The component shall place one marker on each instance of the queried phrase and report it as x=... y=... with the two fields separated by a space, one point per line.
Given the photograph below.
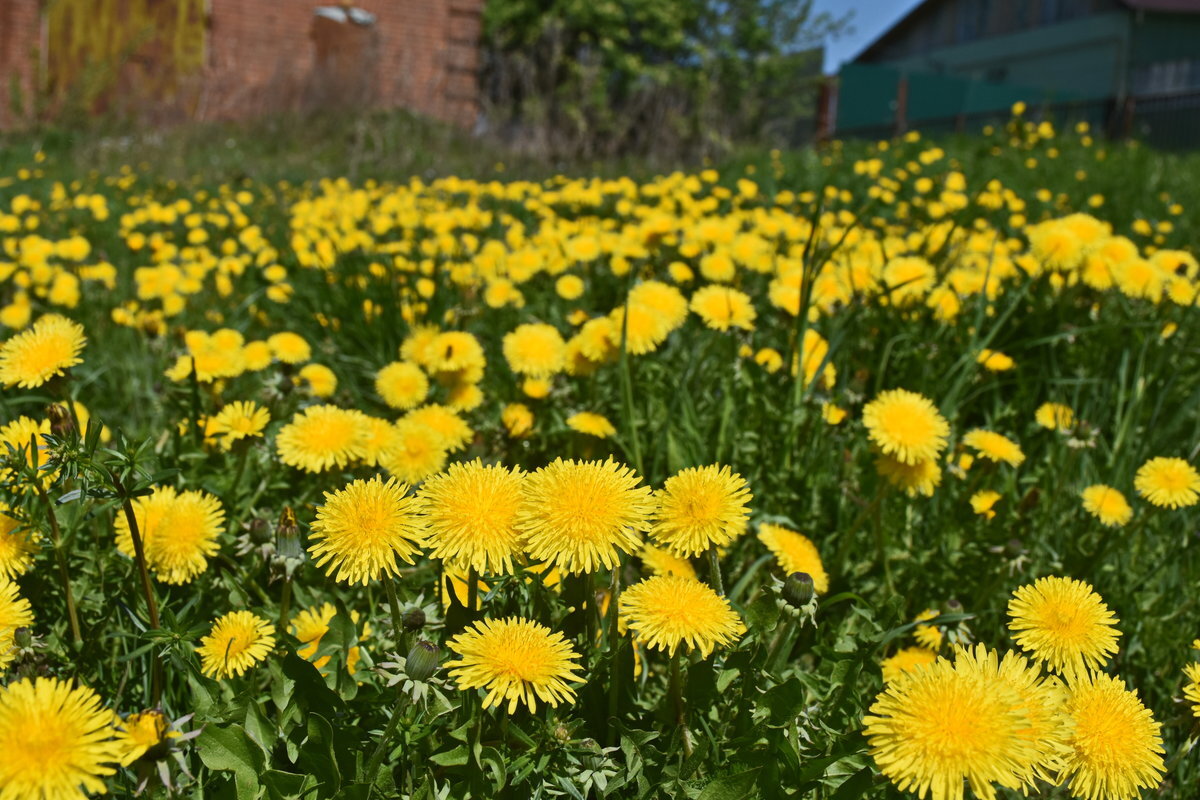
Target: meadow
x=863 y=471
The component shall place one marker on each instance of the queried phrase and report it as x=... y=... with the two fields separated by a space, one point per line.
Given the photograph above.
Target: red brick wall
x=20 y=39
x=260 y=58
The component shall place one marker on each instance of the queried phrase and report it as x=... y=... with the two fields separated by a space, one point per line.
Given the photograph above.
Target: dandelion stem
x=472 y=592
x=394 y=606
x=139 y=551
x=61 y=559
x=285 y=604
x=390 y=731
x=676 y=692
x=714 y=568
x=614 y=651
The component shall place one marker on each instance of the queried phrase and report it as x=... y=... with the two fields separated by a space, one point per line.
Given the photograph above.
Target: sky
x=871 y=18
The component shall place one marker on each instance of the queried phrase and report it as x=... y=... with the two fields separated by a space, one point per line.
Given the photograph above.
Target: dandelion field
x=864 y=472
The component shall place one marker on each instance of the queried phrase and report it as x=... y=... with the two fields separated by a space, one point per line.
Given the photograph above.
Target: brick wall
x=261 y=58
x=20 y=37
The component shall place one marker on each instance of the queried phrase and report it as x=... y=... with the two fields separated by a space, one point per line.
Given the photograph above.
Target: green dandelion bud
x=798 y=589
x=422 y=661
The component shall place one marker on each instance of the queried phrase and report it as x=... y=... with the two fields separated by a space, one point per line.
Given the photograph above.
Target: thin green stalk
x=139 y=551
x=714 y=568
x=61 y=560
x=238 y=472
x=388 y=732
x=285 y=604
x=614 y=651
x=472 y=592
x=627 y=387
x=676 y=693
x=394 y=606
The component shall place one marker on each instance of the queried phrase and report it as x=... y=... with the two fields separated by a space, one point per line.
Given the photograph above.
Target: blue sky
x=871 y=18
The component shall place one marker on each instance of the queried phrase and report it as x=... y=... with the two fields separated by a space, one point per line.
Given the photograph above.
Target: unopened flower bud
x=22 y=638
x=413 y=620
x=422 y=661
x=287 y=536
x=798 y=589
x=60 y=419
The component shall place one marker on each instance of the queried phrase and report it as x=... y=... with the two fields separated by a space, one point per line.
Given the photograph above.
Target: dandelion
x=1168 y=482
x=591 y=424
x=451 y=429
x=994 y=361
x=321 y=380
x=56 y=741
x=1191 y=691
x=928 y=636
x=402 y=385
x=795 y=552
x=916 y=479
x=310 y=625
x=983 y=501
x=321 y=438
x=141 y=734
x=667 y=611
x=1107 y=505
x=722 y=308
x=536 y=350
x=470 y=512
x=17 y=546
x=700 y=508
x=1055 y=416
x=662 y=562
x=362 y=529
x=933 y=728
x=45 y=350
x=905 y=660
x=15 y=612
x=290 y=348
x=994 y=447
x=906 y=426
x=514 y=660
x=416 y=452
x=1116 y=750
x=581 y=515
x=237 y=641
x=179 y=532
x=517 y=420
x=1063 y=623
x=240 y=420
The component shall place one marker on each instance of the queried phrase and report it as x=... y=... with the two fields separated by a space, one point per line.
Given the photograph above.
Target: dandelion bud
x=413 y=620
x=287 y=535
x=22 y=638
x=422 y=661
x=798 y=589
x=1014 y=548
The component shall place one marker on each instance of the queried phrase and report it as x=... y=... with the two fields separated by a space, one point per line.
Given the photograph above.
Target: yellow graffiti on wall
x=96 y=47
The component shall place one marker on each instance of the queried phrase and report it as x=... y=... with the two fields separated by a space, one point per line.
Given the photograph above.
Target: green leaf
x=287 y=785
x=738 y=786
x=230 y=749
x=856 y=785
x=763 y=614
x=317 y=756
x=451 y=758
x=783 y=702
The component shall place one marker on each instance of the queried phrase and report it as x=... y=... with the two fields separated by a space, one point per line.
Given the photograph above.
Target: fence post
x=1127 y=119
x=902 y=105
x=827 y=95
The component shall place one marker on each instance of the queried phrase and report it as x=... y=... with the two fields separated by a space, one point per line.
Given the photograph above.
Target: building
x=949 y=61
x=222 y=59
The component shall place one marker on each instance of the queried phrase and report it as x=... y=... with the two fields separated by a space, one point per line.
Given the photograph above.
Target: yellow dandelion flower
x=905 y=660
x=1107 y=505
x=15 y=612
x=933 y=728
x=517 y=419
x=536 y=388
x=1191 y=691
x=470 y=513
x=536 y=350
x=581 y=515
x=56 y=741
x=146 y=732
x=722 y=308
x=20 y=435
x=310 y=625
x=994 y=447
x=514 y=660
x=983 y=501
x=641 y=327
x=1116 y=750
x=920 y=478
x=321 y=380
x=1063 y=623
x=452 y=429
x=1168 y=482
x=322 y=437
x=417 y=452
x=663 y=562
x=44 y=350
x=667 y=611
x=17 y=546
x=237 y=641
x=994 y=361
x=455 y=352
x=240 y=420
x=290 y=348
x=795 y=552
x=700 y=508
x=402 y=385
x=928 y=636
x=906 y=426
x=1055 y=416
x=591 y=424
x=362 y=530
x=179 y=532
x=379 y=436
